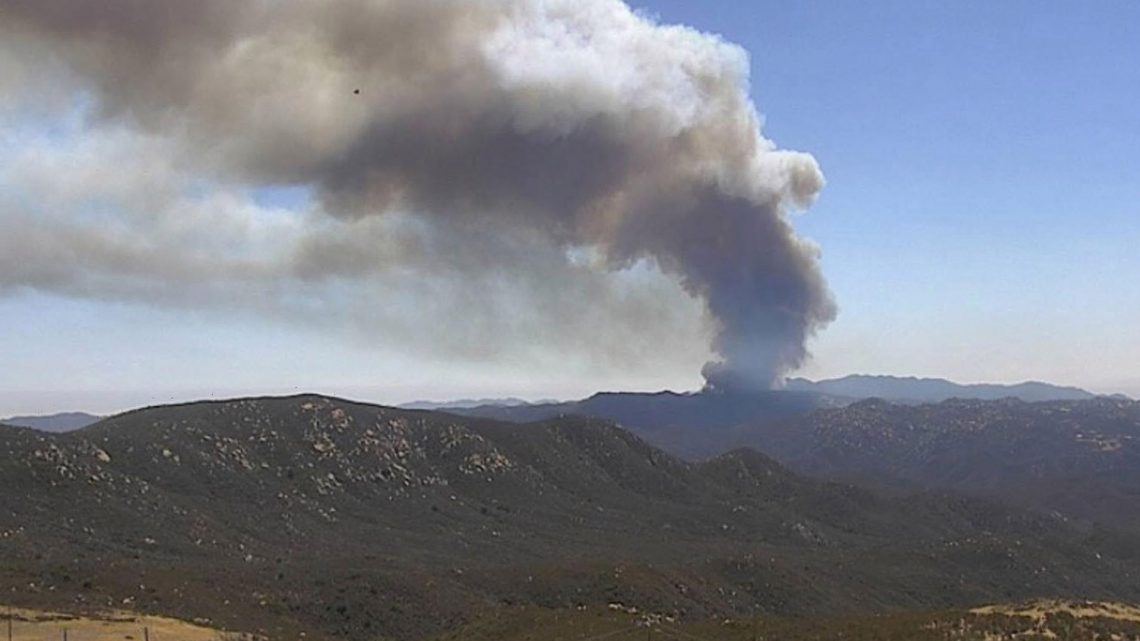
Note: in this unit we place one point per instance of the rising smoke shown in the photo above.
(575, 125)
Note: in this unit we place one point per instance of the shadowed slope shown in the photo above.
(339, 518)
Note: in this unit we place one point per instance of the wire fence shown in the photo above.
(23, 630)
(47, 628)
(18, 626)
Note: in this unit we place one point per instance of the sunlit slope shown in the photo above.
(114, 625)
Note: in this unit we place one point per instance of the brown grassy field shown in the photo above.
(1040, 609)
(40, 625)
(1033, 620)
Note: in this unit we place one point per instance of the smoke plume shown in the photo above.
(574, 126)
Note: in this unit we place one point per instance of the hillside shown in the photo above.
(1080, 458)
(705, 424)
(1031, 621)
(344, 520)
(693, 426)
(933, 390)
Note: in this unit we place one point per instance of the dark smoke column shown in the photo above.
(761, 283)
(560, 123)
(768, 295)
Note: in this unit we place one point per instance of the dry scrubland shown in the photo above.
(353, 522)
(40, 625)
(1041, 609)
(1029, 621)
(1038, 620)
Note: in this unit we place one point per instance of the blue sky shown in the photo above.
(981, 222)
(982, 214)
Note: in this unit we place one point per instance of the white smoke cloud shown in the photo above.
(463, 155)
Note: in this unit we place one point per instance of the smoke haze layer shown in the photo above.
(567, 138)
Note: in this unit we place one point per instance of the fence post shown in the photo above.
(146, 634)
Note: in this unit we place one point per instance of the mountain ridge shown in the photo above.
(703, 424)
(349, 520)
(919, 389)
(692, 425)
(61, 422)
(464, 403)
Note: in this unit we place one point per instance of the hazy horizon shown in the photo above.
(110, 402)
(975, 217)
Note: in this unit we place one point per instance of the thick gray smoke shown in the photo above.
(573, 124)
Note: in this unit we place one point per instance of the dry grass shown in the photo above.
(39, 625)
(1078, 609)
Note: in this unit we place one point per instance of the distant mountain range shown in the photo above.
(1079, 458)
(343, 520)
(468, 403)
(694, 425)
(933, 390)
(694, 414)
(703, 424)
(65, 422)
